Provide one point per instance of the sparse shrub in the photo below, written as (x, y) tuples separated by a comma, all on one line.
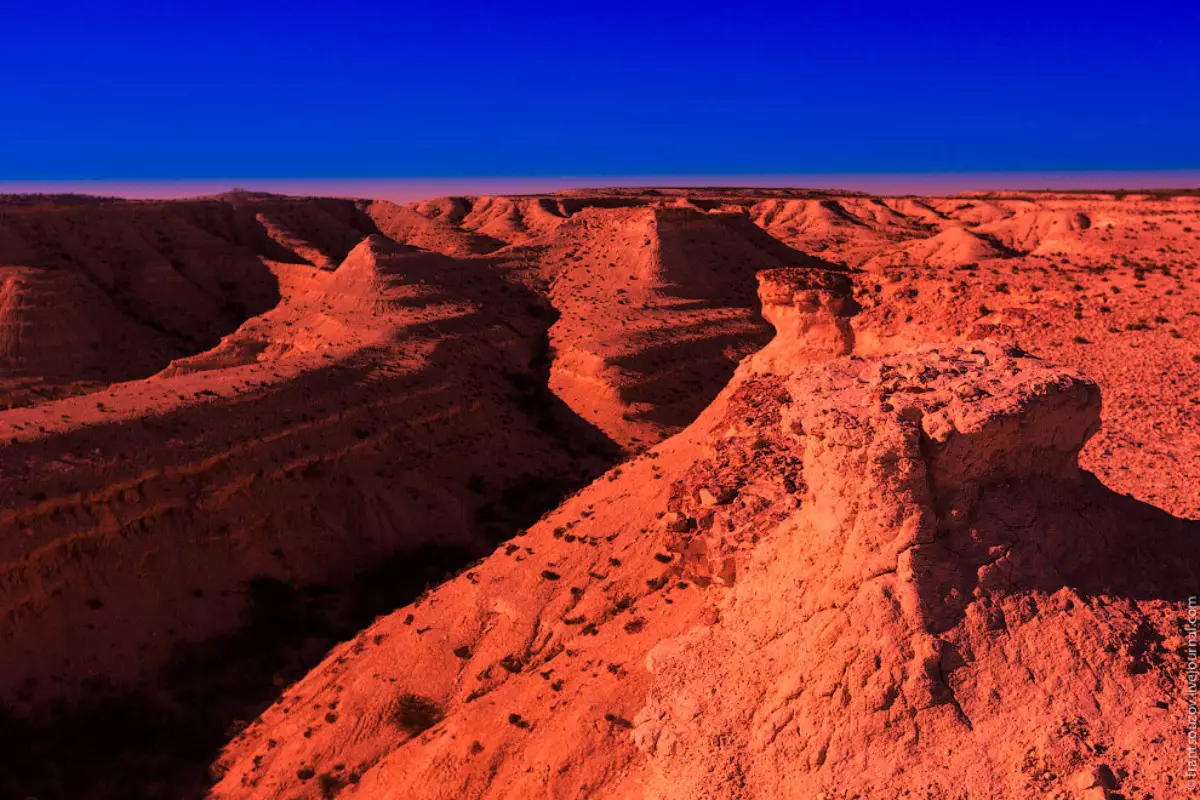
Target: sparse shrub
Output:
[(328, 785), (414, 714)]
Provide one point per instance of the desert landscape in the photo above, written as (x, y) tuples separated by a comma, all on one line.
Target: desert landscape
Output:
[(670, 493)]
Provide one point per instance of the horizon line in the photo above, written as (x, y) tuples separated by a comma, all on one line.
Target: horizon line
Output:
[(406, 189)]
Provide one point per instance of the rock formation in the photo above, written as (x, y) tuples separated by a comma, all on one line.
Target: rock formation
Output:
[(854, 577), (864, 556)]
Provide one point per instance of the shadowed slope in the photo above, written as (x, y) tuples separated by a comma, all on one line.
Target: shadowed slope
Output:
[(656, 309), (103, 293), (397, 406)]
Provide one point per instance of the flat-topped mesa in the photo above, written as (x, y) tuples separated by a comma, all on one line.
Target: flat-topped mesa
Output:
[(810, 309), (930, 430), (987, 411), (890, 454)]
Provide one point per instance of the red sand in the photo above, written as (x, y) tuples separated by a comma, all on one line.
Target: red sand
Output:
[(864, 564)]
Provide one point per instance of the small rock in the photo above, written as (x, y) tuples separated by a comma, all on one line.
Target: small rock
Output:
[(1099, 777), (682, 525)]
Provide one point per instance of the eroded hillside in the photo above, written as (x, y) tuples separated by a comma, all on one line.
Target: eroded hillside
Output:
[(219, 408), (851, 576)]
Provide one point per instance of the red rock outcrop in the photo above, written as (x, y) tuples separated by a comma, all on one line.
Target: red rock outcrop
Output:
[(857, 577)]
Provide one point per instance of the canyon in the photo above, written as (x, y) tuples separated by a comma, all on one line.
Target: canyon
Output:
[(663, 493)]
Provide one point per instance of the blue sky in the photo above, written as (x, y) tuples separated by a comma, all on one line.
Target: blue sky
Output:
[(156, 90)]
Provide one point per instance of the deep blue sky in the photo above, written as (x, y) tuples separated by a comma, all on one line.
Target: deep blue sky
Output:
[(146, 90)]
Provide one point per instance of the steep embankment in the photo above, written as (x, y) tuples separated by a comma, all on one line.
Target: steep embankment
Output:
[(397, 404), (850, 577), (93, 294), (656, 308)]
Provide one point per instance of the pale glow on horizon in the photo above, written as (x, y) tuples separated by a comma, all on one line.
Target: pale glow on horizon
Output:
[(410, 189)]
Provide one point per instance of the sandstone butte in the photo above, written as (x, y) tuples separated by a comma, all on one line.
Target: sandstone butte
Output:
[(748, 494)]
